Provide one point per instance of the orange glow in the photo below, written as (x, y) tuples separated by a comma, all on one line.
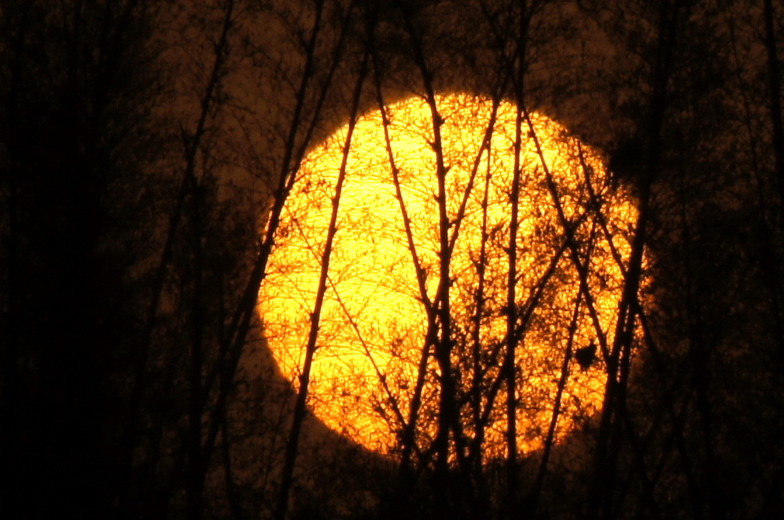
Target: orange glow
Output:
[(373, 323)]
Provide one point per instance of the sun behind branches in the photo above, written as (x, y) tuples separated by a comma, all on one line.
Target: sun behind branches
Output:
[(373, 324)]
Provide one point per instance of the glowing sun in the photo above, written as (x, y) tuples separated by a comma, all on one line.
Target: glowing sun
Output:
[(374, 323)]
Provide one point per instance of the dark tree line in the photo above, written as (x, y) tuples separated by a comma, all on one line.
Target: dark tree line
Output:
[(147, 149)]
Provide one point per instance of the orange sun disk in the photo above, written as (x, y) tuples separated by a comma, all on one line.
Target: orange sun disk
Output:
[(373, 323)]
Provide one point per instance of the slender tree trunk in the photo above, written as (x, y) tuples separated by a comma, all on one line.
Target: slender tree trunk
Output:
[(517, 72), (512, 338), (195, 472), (477, 347), (292, 447), (408, 435), (191, 144), (774, 92), (600, 497), (448, 418), (562, 380)]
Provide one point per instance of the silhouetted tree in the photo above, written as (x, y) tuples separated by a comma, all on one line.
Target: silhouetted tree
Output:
[(147, 153)]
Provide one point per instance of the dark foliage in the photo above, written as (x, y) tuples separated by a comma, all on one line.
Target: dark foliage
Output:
[(144, 145)]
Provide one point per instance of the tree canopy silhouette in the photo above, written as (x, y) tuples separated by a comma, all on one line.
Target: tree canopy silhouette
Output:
[(147, 153)]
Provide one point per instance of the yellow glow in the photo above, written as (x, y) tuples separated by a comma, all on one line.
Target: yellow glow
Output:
[(373, 323)]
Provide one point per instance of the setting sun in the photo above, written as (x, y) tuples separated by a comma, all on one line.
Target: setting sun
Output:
[(573, 222)]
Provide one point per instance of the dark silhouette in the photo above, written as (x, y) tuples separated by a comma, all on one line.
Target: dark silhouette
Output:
[(147, 150), (586, 356)]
